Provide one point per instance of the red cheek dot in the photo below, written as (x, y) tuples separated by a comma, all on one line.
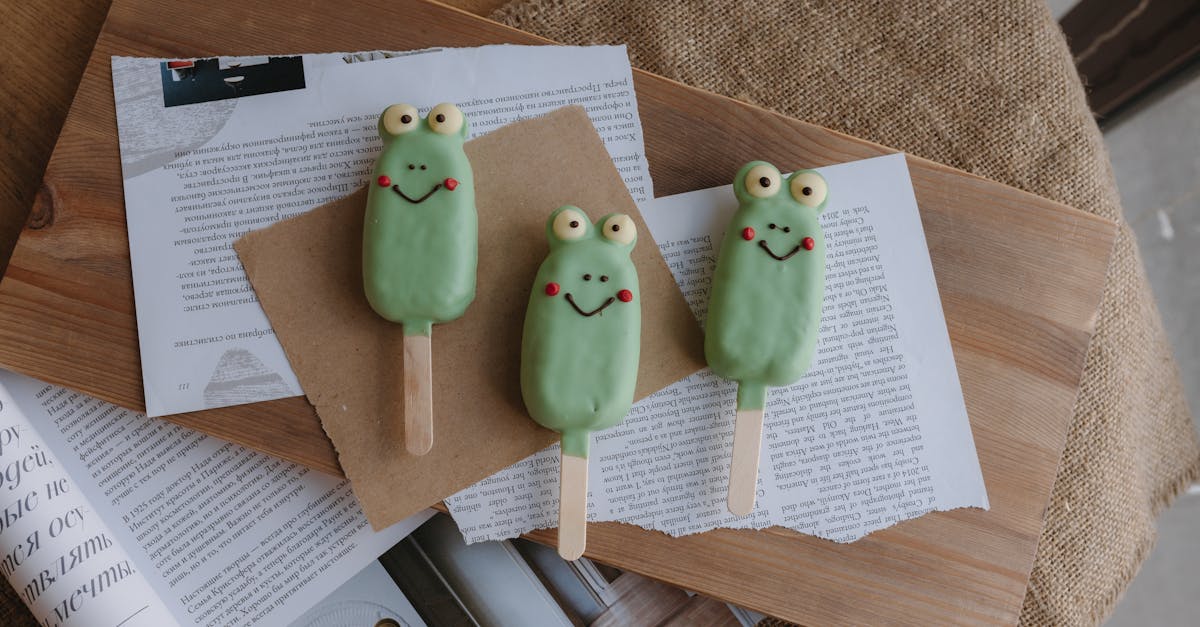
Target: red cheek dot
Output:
[(384, 181), (625, 296), (450, 184), (552, 289), (747, 234), (808, 243)]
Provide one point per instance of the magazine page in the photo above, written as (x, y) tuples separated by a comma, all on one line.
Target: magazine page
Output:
[(874, 434), (213, 148), (223, 534), (61, 557)]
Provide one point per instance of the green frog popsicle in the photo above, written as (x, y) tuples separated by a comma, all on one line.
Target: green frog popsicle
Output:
[(580, 347), (420, 242), (764, 308)]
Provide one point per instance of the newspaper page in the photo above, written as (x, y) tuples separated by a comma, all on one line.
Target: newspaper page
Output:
[(875, 433), (223, 535), (60, 557), (213, 148)]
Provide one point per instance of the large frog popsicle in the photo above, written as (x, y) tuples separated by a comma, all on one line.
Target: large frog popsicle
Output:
[(420, 242), (580, 347), (764, 308)]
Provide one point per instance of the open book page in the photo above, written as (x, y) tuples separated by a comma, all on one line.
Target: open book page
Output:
[(224, 535), (211, 149), (60, 556), (875, 433)]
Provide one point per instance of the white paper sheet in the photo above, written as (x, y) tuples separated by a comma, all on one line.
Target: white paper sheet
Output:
[(222, 534), (200, 174), (875, 433)]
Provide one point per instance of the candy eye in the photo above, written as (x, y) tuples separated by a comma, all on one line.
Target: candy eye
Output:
[(809, 189), (570, 224), (400, 118), (619, 229), (762, 181), (445, 119)]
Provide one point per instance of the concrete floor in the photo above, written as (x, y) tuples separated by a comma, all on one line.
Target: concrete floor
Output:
[(1155, 151)]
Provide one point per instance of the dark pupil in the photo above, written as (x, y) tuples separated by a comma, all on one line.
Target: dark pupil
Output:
[(616, 227), (406, 118), (587, 277), (574, 224), (604, 278), (771, 226), (764, 181), (441, 118), (807, 191)]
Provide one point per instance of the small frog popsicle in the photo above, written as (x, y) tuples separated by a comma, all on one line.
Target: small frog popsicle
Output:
[(580, 346), (420, 243), (764, 307)]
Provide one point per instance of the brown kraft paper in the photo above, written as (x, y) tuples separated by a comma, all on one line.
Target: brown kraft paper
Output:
[(307, 273)]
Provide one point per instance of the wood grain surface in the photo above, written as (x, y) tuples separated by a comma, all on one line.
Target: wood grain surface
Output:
[(1020, 279), (572, 506), (1124, 48), (418, 394), (44, 52), (743, 465)]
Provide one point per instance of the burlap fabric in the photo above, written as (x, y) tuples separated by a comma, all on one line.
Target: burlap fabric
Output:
[(989, 88)]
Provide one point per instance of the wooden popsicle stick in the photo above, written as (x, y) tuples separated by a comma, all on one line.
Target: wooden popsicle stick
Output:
[(418, 394), (743, 470), (572, 506)]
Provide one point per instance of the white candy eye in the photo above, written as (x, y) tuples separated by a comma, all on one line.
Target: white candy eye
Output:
[(809, 189), (619, 228), (762, 181), (570, 224), (400, 118), (445, 119)]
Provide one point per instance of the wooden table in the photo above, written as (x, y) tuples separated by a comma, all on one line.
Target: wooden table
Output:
[(46, 49), (1020, 279)]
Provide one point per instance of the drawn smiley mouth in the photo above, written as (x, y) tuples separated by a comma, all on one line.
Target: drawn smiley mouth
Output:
[(762, 243), (396, 188), (593, 312)]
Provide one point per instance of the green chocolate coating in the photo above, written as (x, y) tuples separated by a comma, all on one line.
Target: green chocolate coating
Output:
[(578, 372), (419, 258), (763, 313)]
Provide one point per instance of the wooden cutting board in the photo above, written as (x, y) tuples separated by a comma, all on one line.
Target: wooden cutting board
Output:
[(1020, 279)]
